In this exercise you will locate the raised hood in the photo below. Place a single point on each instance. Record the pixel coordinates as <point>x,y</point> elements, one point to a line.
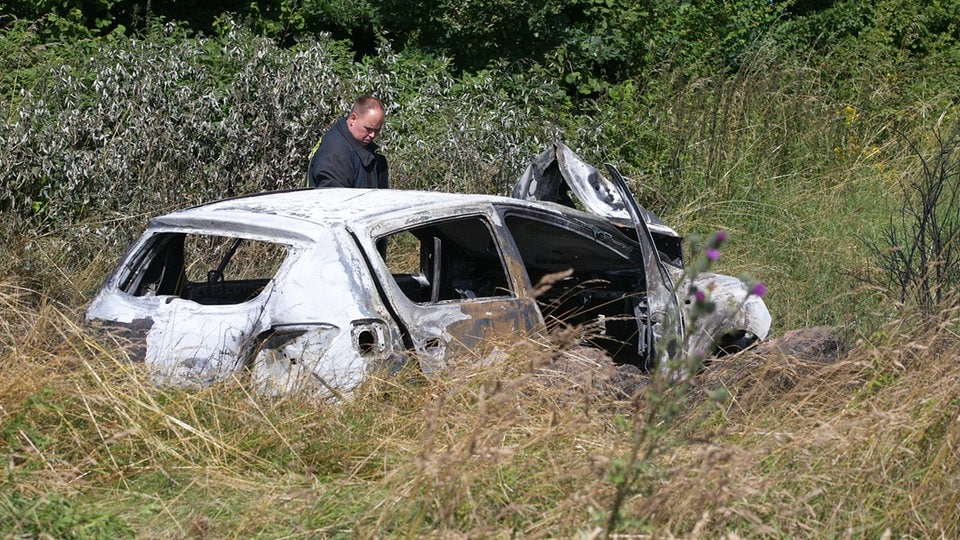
<point>558,172</point>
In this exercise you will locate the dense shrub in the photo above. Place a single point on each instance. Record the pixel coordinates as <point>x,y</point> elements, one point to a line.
<point>587,44</point>
<point>147,125</point>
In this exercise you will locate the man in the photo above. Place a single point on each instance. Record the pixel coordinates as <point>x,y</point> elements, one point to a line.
<point>346,155</point>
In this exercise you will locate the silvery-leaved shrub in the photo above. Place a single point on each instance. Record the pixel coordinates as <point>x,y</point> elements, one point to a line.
<point>106,135</point>
<point>143,125</point>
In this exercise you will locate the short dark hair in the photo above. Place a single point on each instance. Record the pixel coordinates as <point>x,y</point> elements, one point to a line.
<point>365,104</point>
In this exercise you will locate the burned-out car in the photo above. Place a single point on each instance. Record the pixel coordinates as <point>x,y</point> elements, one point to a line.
<point>318,288</point>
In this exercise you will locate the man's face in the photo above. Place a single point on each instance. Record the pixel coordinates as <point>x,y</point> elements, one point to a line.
<point>365,126</point>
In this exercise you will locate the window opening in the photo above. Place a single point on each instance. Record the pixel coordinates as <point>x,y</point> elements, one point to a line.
<point>207,269</point>
<point>453,260</point>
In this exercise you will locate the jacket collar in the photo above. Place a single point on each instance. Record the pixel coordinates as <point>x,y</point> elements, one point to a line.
<point>365,153</point>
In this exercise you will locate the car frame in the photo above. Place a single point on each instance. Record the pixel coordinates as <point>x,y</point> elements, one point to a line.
<point>317,289</point>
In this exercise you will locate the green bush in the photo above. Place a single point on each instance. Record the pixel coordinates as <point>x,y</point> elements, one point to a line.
<point>103,134</point>
<point>146,125</point>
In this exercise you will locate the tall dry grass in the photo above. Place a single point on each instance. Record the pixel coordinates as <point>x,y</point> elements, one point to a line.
<point>863,444</point>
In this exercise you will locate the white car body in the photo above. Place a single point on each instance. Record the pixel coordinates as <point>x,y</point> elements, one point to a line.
<point>320,288</point>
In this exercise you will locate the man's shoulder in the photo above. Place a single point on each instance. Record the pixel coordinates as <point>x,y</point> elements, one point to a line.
<point>338,129</point>
<point>332,139</point>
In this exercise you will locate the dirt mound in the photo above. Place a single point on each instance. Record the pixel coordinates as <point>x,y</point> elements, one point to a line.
<point>788,357</point>
<point>817,343</point>
<point>585,370</point>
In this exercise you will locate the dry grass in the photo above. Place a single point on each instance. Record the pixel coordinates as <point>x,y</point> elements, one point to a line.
<point>860,446</point>
<point>864,446</point>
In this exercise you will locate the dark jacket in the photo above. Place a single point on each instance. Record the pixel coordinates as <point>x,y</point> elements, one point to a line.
<point>341,161</point>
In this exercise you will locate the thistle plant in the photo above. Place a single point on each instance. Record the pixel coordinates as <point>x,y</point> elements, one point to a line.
<point>657,406</point>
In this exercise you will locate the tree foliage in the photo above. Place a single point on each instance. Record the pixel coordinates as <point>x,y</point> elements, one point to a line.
<point>588,45</point>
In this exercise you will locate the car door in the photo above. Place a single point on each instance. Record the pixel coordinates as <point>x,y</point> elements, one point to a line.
<point>559,175</point>
<point>450,286</point>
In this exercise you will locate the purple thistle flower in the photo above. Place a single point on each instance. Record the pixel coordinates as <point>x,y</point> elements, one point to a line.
<point>720,237</point>
<point>758,289</point>
<point>712,253</point>
<point>699,296</point>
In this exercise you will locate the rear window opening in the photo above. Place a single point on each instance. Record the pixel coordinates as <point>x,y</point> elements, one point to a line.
<point>207,269</point>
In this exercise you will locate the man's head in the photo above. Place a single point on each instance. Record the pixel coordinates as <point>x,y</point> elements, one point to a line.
<point>365,119</point>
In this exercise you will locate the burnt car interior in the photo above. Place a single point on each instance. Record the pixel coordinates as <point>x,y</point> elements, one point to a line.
<point>209,270</point>
<point>450,260</point>
<point>603,292</point>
